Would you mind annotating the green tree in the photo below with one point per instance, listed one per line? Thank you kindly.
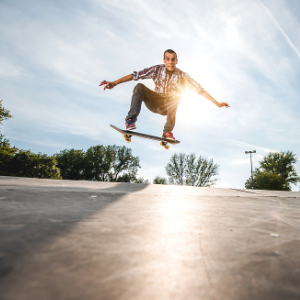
(6, 155)
(281, 163)
(176, 168)
(276, 172)
(125, 178)
(159, 180)
(267, 181)
(71, 164)
(184, 169)
(27, 164)
(6, 151)
(142, 180)
(123, 163)
(98, 161)
(204, 170)
(4, 143)
(4, 113)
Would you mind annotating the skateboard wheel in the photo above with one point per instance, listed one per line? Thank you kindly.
(162, 144)
(124, 136)
(167, 147)
(128, 140)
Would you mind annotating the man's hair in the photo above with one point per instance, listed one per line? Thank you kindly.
(170, 51)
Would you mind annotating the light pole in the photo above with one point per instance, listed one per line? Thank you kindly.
(254, 151)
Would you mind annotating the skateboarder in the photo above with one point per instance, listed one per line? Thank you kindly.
(170, 83)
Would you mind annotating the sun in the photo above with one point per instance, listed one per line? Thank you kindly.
(193, 109)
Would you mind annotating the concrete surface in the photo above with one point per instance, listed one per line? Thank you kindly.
(98, 240)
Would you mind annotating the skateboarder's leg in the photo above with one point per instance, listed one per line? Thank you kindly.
(142, 93)
(171, 105)
(136, 102)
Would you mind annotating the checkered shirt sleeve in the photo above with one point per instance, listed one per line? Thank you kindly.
(147, 73)
(192, 84)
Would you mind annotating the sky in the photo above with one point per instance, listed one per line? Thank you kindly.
(54, 54)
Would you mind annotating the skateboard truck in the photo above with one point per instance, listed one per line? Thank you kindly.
(127, 138)
(165, 145)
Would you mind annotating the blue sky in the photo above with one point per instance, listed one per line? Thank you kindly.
(53, 55)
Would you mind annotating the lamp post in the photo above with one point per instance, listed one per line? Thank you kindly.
(254, 151)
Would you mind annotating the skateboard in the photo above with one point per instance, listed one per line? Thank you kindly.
(127, 134)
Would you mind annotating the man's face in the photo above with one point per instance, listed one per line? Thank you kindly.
(170, 61)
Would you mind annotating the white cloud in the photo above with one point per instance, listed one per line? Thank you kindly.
(249, 147)
(281, 30)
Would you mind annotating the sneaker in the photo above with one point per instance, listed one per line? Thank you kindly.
(168, 136)
(130, 124)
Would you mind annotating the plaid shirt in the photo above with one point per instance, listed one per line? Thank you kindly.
(169, 85)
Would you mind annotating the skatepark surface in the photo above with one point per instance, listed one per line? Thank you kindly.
(69, 240)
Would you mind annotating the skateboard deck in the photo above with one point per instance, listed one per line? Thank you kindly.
(127, 134)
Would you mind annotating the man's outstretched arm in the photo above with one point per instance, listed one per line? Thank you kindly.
(111, 84)
(209, 97)
(194, 85)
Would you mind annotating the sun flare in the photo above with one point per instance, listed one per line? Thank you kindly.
(193, 108)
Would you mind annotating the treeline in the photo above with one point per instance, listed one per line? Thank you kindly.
(98, 163)
(22, 163)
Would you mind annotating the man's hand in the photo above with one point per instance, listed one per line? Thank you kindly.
(223, 104)
(111, 84)
(210, 98)
(108, 85)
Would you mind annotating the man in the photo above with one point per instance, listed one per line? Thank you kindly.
(170, 82)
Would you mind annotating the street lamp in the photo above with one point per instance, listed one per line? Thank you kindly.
(254, 151)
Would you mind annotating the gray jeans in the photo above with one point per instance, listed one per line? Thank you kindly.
(156, 103)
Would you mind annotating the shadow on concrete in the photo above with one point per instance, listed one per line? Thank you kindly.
(34, 211)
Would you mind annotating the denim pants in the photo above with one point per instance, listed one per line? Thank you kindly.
(166, 106)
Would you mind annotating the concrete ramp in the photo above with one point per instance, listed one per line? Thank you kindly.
(69, 240)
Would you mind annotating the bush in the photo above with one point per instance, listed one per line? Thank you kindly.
(159, 180)
(268, 181)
